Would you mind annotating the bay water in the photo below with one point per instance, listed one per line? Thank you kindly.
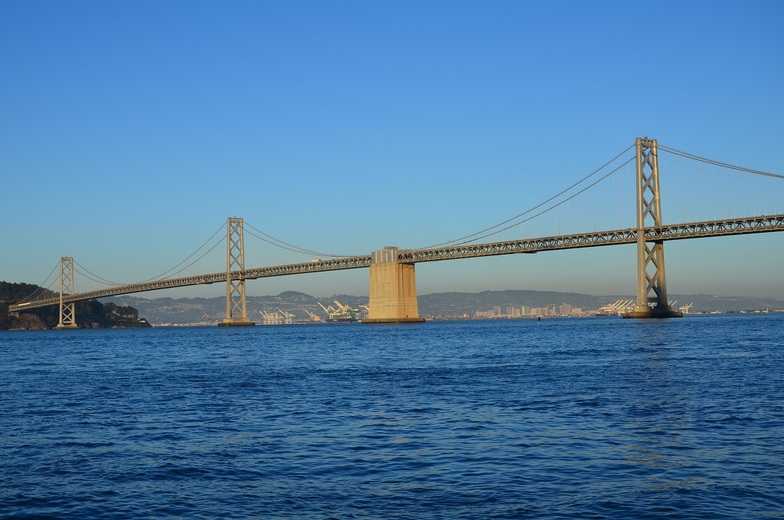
(558, 418)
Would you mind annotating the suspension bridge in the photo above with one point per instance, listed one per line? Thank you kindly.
(392, 270)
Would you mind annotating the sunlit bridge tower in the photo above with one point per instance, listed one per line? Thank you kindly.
(236, 305)
(67, 311)
(651, 284)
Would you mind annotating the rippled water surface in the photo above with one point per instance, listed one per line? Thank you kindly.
(602, 418)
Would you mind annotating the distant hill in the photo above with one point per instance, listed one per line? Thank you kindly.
(460, 304)
(189, 311)
(183, 311)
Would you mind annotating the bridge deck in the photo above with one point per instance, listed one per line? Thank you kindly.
(715, 228)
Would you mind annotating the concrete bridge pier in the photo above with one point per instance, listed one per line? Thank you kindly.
(392, 289)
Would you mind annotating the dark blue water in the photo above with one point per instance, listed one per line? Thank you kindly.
(588, 418)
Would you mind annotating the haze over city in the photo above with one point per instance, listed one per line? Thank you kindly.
(131, 131)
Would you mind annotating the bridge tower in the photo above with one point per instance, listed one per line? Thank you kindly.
(651, 284)
(392, 289)
(236, 304)
(67, 310)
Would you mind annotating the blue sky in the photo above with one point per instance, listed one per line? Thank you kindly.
(130, 131)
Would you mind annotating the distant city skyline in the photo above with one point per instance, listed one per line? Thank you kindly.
(130, 132)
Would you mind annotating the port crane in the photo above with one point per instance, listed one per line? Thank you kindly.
(277, 317)
(341, 313)
(270, 318)
(618, 307)
(288, 318)
(686, 308)
(313, 317)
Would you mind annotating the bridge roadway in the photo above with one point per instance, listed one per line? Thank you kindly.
(714, 228)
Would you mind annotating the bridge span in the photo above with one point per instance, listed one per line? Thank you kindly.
(706, 229)
(716, 228)
(392, 271)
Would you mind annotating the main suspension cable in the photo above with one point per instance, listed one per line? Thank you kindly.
(546, 210)
(168, 272)
(41, 287)
(210, 250)
(718, 163)
(94, 277)
(473, 236)
(264, 237)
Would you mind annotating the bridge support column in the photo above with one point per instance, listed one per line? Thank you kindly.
(651, 284)
(392, 289)
(236, 304)
(67, 311)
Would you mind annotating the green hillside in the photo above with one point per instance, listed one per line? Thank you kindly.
(89, 314)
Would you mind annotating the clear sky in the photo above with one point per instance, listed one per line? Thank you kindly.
(130, 131)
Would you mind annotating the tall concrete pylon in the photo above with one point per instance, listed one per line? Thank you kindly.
(236, 303)
(392, 289)
(67, 310)
(651, 282)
